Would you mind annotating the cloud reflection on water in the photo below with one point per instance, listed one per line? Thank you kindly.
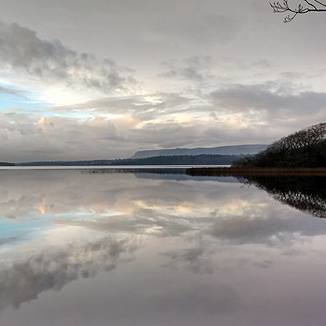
(188, 240)
(51, 268)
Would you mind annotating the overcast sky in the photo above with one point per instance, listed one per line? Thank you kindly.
(98, 79)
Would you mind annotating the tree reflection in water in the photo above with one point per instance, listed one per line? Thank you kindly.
(304, 193)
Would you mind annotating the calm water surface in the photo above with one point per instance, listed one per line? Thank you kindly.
(98, 249)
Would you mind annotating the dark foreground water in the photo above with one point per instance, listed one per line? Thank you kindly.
(98, 249)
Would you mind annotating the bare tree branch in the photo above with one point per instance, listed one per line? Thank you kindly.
(311, 4)
(308, 7)
(321, 3)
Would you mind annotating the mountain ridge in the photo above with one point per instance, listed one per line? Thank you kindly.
(156, 160)
(247, 149)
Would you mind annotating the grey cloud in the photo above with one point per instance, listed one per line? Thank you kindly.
(263, 97)
(209, 71)
(194, 68)
(28, 137)
(280, 107)
(268, 108)
(201, 133)
(23, 139)
(140, 106)
(201, 27)
(74, 137)
(22, 50)
(262, 63)
(12, 91)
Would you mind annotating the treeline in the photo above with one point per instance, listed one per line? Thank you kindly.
(305, 148)
(157, 160)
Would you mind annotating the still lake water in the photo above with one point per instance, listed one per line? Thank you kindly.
(140, 249)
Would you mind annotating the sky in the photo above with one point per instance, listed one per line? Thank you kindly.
(102, 79)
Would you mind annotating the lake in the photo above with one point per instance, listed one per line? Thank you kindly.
(145, 249)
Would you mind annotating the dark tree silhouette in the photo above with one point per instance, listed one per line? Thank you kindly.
(304, 7)
(305, 148)
(304, 138)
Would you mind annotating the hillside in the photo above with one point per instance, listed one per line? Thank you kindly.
(305, 148)
(224, 150)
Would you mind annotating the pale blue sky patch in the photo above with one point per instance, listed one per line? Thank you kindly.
(12, 98)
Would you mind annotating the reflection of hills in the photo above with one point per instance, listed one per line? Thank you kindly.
(184, 177)
(304, 193)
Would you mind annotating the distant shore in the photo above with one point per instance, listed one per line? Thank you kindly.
(161, 169)
(190, 170)
(238, 171)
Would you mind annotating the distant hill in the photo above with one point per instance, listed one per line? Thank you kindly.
(305, 148)
(181, 160)
(224, 150)
(158, 160)
(65, 163)
(6, 164)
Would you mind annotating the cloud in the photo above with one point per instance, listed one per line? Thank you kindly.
(21, 50)
(203, 111)
(119, 126)
(26, 137)
(11, 91)
(202, 29)
(195, 68)
(278, 104)
(269, 97)
(142, 107)
(29, 137)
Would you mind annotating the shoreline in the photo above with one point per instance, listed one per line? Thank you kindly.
(190, 170)
(243, 172)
